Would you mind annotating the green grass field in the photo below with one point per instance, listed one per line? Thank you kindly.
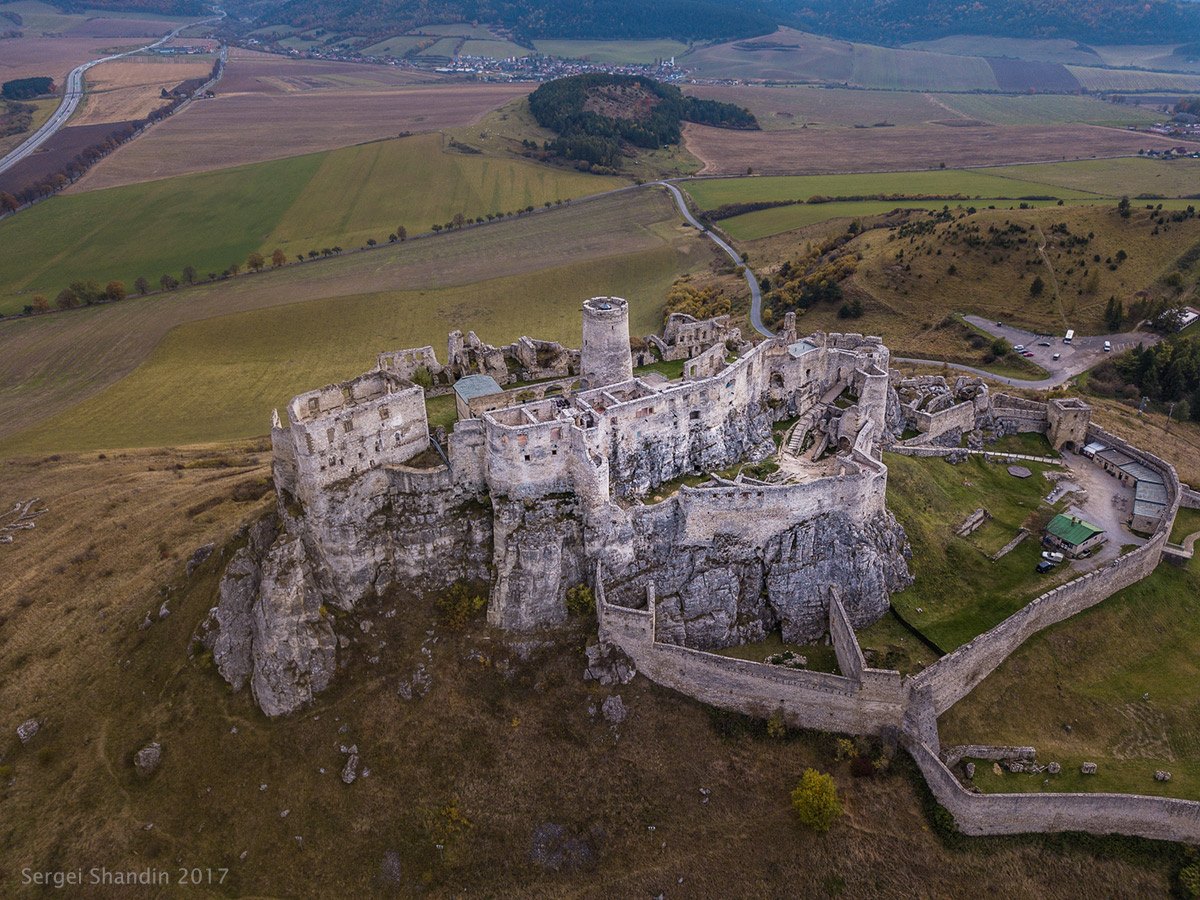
(446, 46)
(1121, 675)
(211, 220)
(457, 29)
(1113, 177)
(1187, 521)
(714, 192)
(988, 188)
(1036, 109)
(960, 591)
(615, 52)
(397, 46)
(50, 363)
(1094, 79)
(494, 49)
(1059, 51)
(219, 378)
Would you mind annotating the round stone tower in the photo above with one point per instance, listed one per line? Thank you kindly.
(605, 357)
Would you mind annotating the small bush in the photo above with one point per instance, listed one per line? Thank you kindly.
(6, 771)
(581, 601)
(776, 726)
(459, 605)
(815, 800)
(1189, 880)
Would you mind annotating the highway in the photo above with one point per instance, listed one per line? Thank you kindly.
(74, 92)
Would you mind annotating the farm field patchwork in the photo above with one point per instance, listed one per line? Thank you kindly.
(494, 49)
(271, 126)
(48, 363)
(126, 89)
(1146, 56)
(815, 151)
(459, 29)
(1113, 685)
(615, 52)
(212, 219)
(1058, 50)
(1047, 108)
(783, 107)
(397, 46)
(794, 56)
(1094, 79)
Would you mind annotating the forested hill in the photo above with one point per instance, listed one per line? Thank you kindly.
(598, 19)
(872, 21)
(595, 114)
(195, 8)
(1094, 21)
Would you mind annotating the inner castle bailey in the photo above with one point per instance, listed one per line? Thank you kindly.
(738, 498)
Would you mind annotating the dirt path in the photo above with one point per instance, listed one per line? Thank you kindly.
(1053, 278)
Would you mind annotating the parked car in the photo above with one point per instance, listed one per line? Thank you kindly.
(1043, 343)
(1027, 353)
(1056, 356)
(1052, 556)
(1044, 566)
(1107, 346)
(1019, 347)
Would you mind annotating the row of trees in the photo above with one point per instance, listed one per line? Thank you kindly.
(1168, 372)
(87, 292)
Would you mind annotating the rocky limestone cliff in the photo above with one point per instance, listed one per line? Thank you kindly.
(389, 526)
(269, 628)
(727, 593)
(539, 555)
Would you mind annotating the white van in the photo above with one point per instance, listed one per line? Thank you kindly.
(1108, 346)
(1070, 336)
(1050, 556)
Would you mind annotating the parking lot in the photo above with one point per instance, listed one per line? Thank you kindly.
(1078, 356)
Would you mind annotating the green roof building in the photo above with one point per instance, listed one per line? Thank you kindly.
(1073, 535)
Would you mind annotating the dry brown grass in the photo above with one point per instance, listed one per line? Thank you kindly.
(274, 108)
(127, 89)
(27, 57)
(820, 151)
(494, 755)
(783, 107)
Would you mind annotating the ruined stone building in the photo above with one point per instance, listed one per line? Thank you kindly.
(739, 495)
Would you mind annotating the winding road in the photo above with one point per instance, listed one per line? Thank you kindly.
(755, 292)
(74, 92)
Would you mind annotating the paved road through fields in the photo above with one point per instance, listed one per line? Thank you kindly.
(73, 93)
(755, 292)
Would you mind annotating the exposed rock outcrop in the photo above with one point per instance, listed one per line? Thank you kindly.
(269, 628)
(727, 592)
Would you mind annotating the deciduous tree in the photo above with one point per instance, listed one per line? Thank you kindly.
(115, 290)
(141, 285)
(278, 258)
(256, 262)
(815, 800)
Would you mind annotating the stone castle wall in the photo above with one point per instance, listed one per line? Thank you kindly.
(805, 699)
(1157, 818)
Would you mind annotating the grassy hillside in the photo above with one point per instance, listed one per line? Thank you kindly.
(492, 753)
(1113, 685)
(959, 592)
(995, 258)
(211, 220)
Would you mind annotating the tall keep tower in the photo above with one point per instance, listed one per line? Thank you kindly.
(605, 357)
